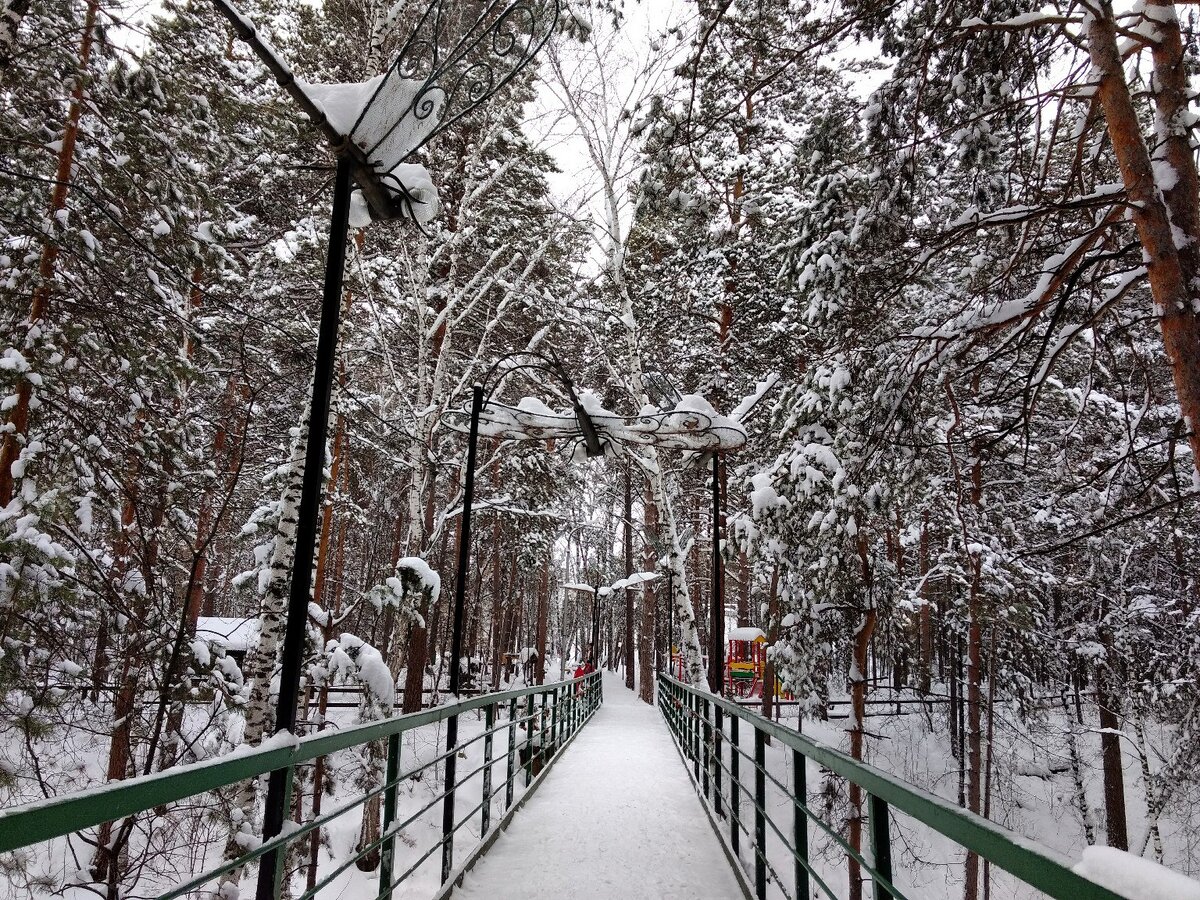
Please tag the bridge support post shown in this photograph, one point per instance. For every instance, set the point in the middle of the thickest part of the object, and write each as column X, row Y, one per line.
column 529, row 714
column 718, row 738
column 388, row 850
column 760, row 817
column 881, row 844
column 706, row 741
column 512, row 746
column 542, row 730
column 489, row 721
column 555, row 737
column 800, row 821
column 735, row 788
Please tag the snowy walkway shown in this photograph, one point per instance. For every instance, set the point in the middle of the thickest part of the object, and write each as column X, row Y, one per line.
column 616, row 819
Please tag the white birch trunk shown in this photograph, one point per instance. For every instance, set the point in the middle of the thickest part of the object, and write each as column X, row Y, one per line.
column 260, row 665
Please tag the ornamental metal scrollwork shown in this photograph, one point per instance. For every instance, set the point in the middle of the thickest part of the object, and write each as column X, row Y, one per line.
column 673, row 430
column 449, row 67
column 457, row 55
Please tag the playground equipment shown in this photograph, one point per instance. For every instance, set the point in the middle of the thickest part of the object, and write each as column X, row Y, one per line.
column 745, row 662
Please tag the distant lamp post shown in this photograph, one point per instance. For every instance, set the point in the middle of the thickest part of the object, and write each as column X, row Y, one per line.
column 484, row 411
column 597, row 591
column 693, row 425
column 454, row 59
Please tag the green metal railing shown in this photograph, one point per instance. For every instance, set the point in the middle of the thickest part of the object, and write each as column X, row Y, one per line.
column 539, row 722
column 710, row 732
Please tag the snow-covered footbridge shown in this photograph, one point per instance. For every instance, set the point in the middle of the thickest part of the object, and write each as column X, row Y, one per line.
column 572, row 790
column 617, row 817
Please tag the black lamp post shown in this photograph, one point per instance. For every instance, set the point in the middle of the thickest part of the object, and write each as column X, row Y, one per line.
column 480, row 394
column 716, row 618
column 450, row 64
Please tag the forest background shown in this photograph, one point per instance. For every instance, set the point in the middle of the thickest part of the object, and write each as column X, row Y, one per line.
column 940, row 260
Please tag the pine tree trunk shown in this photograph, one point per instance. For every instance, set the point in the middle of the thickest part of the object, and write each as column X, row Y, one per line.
column 974, row 721
column 106, row 862
column 925, row 615
column 1175, row 304
column 769, row 707
column 18, row 419
column 1116, row 827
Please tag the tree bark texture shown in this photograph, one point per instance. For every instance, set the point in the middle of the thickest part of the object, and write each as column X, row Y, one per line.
column 1172, row 276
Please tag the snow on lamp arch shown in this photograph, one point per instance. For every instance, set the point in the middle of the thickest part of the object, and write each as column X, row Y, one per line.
column 692, row 424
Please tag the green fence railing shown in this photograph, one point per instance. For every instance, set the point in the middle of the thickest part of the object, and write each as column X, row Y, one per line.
column 713, row 734
column 538, row 722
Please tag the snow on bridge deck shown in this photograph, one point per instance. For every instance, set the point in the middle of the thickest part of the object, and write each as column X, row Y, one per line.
column 616, row 819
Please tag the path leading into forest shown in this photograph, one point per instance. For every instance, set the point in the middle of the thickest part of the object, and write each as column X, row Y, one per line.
column 616, row 817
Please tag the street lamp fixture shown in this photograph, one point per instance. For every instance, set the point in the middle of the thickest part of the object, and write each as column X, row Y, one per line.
column 596, row 592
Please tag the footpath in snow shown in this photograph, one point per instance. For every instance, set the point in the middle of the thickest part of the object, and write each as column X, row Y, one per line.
column 616, row 819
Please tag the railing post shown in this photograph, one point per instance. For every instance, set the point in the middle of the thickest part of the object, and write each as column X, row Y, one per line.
column 881, row 844
column 529, row 708
column 800, row 820
column 512, row 747
column 706, row 743
column 448, row 803
column 760, row 818
column 542, row 729
column 555, row 737
column 489, row 720
column 735, row 786
column 387, row 852
column 718, row 734
column 677, row 701
column 694, row 721
column 277, row 859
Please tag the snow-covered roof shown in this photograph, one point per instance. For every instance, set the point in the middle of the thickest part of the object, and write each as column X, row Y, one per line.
column 745, row 634
column 231, row 632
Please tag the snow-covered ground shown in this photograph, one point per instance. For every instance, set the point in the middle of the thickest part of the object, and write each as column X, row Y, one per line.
column 616, row 819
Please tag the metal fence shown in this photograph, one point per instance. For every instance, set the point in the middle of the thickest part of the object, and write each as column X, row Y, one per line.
column 537, row 722
column 719, row 740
